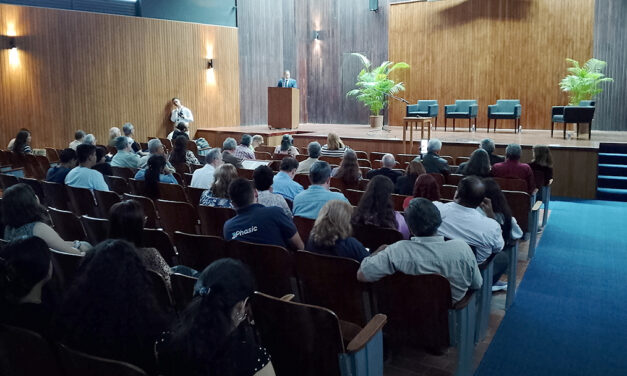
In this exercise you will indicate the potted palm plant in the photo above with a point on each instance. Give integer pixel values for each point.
(374, 87)
(583, 82)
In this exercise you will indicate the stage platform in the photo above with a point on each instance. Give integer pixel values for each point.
(575, 160)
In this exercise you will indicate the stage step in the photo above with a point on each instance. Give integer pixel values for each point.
(612, 169)
(613, 148)
(617, 182)
(611, 194)
(613, 158)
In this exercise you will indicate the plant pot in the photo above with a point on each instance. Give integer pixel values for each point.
(376, 122)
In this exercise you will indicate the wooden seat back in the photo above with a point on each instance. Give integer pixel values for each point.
(26, 353)
(372, 237)
(245, 173)
(177, 216)
(37, 187)
(82, 201)
(161, 241)
(138, 187)
(304, 226)
(105, 200)
(193, 195)
(212, 219)
(182, 290)
(118, 185)
(150, 211)
(330, 282)
(124, 172)
(341, 184)
(97, 229)
(507, 184)
(172, 192)
(398, 201)
(7, 180)
(439, 178)
(375, 156)
(264, 155)
(460, 160)
(353, 196)
(364, 163)
(66, 265)
(331, 160)
(302, 179)
(67, 224)
(52, 154)
(520, 204)
(447, 191)
(454, 179)
(198, 251)
(79, 364)
(56, 195)
(405, 158)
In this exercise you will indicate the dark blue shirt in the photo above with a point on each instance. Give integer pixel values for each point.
(256, 223)
(57, 174)
(349, 248)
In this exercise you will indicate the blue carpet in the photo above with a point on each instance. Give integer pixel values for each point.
(570, 313)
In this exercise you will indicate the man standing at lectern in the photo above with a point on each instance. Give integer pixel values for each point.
(286, 81)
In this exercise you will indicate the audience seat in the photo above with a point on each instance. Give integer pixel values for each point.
(364, 163)
(172, 192)
(7, 180)
(137, 186)
(198, 251)
(462, 109)
(310, 340)
(55, 194)
(159, 239)
(331, 160)
(363, 184)
(353, 196)
(512, 184)
(245, 173)
(182, 290)
(342, 186)
(193, 195)
(117, 184)
(80, 364)
(182, 168)
(52, 155)
(304, 226)
(37, 187)
(67, 224)
(97, 229)
(148, 205)
(161, 291)
(372, 237)
(271, 265)
(460, 160)
(105, 200)
(484, 298)
(364, 171)
(65, 265)
(26, 353)
(361, 154)
(398, 201)
(177, 216)
(266, 148)
(439, 178)
(82, 201)
(194, 167)
(187, 180)
(526, 215)
(421, 316)
(454, 179)
(447, 191)
(265, 156)
(377, 164)
(124, 172)
(375, 156)
(330, 282)
(212, 219)
(275, 165)
(302, 179)
(167, 144)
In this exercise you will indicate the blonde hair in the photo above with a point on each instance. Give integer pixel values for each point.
(224, 175)
(114, 132)
(542, 156)
(334, 142)
(333, 223)
(415, 168)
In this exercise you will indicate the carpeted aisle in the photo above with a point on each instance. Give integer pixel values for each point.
(570, 313)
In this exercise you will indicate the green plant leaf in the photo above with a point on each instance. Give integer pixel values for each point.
(583, 82)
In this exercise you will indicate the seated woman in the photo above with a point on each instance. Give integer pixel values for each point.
(180, 154)
(111, 310)
(24, 217)
(25, 268)
(542, 162)
(425, 186)
(478, 165)
(405, 184)
(263, 177)
(102, 164)
(348, 171)
(376, 207)
(501, 211)
(218, 194)
(213, 335)
(114, 133)
(287, 147)
(331, 234)
(154, 174)
(126, 222)
(334, 146)
(21, 145)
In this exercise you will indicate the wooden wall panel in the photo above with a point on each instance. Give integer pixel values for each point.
(277, 35)
(489, 50)
(78, 70)
(610, 45)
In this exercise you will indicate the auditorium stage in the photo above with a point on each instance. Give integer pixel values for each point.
(575, 160)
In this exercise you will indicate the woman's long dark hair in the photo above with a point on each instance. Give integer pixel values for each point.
(426, 186)
(499, 205)
(376, 206)
(23, 264)
(478, 164)
(110, 310)
(198, 338)
(20, 141)
(156, 164)
(21, 206)
(126, 222)
(286, 142)
(179, 150)
(349, 169)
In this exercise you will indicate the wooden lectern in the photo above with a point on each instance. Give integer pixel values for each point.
(283, 108)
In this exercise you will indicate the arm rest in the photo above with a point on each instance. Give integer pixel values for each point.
(557, 110)
(465, 300)
(474, 109)
(411, 108)
(536, 206)
(449, 108)
(492, 107)
(487, 262)
(517, 110)
(287, 297)
(550, 182)
(434, 109)
(363, 337)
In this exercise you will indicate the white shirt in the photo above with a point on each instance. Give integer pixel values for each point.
(203, 177)
(467, 224)
(73, 144)
(186, 118)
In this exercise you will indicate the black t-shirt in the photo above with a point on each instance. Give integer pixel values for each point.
(349, 248)
(405, 185)
(35, 317)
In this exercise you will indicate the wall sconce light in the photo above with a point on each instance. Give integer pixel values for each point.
(316, 35)
(12, 45)
(210, 64)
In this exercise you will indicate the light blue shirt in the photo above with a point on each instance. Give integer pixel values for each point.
(309, 202)
(285, 186)
(125, 159)
(163, 178)
(83, 177)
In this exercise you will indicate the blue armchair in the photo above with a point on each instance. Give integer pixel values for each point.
(424, 108)
(462, 109)
(584, 113)
(505, 109)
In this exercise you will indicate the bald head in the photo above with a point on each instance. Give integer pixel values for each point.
(470, 192)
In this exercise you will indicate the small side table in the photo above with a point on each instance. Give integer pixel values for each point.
(411, 122)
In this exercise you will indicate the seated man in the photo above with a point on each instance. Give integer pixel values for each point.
(389, 163)
(243, 149)
(125, 157)
(432, 161)
(309, 202)
(204, 177)
(83, 176)
(256, 223)
(487, 144)
(257, 140)
(155, 147)
(425, 253)
(284, 183)
(129, 131)
(513, 169)
(461, 220)
(228, 153)
(67, 161)
(180, 129)
(78, 139)
(313, 149)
